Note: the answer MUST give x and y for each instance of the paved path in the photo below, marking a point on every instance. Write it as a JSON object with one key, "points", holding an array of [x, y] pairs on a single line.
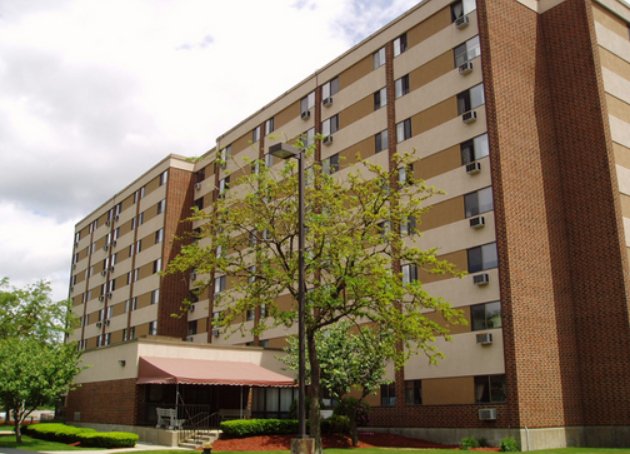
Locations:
{"points": [[14, 451], [139, 447]]}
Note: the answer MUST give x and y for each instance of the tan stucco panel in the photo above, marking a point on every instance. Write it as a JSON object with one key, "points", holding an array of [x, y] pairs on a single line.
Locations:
{"points": [[438, 163], [428, 27], [453, 329], [433, 116], [614, 63], [357, 152], [431, 70], [445, 391], [610, 21], [356, 111], [443, 213], [355, 72], [459, 259], [618, 108]]}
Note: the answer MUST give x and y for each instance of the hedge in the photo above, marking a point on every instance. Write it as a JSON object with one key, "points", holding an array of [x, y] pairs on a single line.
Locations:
{"points": [[239, 428], [84, 435]]}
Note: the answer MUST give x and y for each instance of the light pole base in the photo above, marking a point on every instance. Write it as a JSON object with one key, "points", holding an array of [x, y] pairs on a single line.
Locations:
{"points": [[302, 446]]}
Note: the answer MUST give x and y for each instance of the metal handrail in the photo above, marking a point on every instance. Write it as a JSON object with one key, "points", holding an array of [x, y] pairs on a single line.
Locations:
{"points": [[198, 423]]}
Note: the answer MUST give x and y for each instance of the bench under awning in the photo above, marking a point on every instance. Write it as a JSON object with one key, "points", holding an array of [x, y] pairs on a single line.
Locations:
{"points": [[166, 371]]}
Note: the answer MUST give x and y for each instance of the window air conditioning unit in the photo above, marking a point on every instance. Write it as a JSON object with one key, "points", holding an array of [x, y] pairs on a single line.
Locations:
{"points": [[101, 298], [306, 115], [108, 222], [216, 332], [469, 117], [328, 140], [99, 324], [117, 218], [487, 414], [197, 186], [477, 222], [193, 276], [462, 22], [481, 279], [104, 272], [466, 68], [106, 247], [328, 101], [189, 338], [484, 338], [114, 243], [473, 168], [111, 269], [109, 296], [191, 308], [107, 322]]}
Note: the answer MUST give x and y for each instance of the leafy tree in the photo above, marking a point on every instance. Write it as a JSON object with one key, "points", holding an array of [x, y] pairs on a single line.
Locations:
{"points": [[36, 366], [350, 358], [353, 263]]}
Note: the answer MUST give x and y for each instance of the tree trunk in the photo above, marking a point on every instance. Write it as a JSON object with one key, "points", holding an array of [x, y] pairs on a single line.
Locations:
{"points": [[354, 432], [313, 393], [16, 427]]}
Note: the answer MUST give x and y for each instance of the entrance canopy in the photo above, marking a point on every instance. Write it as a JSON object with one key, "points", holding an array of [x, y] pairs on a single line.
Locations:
{"points": [[167, 371]]}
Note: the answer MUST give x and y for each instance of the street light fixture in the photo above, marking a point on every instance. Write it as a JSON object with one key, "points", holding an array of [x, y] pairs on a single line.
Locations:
{"points": [[286, 151]]}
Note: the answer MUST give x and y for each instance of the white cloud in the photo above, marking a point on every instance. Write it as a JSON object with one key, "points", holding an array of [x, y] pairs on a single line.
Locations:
{"points": [[94, 93]]}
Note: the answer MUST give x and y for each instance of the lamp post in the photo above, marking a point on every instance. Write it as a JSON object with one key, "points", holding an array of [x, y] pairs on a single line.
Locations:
{"points": [[302, 444]]}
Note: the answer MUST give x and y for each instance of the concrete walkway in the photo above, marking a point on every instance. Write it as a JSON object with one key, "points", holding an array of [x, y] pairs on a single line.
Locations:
{"points": [[139, 447]]}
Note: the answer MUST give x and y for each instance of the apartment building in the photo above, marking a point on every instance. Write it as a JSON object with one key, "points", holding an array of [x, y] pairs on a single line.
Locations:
{"points": [[519, 111]]}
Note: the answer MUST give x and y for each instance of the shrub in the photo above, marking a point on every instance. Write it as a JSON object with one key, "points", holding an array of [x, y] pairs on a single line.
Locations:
{"points": [[107, 439], [85, 435], [468, 443], [349, 404], [248, 427], [509, 444], [336, 424]]}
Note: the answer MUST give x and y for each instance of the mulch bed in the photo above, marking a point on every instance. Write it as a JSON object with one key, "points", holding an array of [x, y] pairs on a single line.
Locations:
{"points": [[366, 440]]}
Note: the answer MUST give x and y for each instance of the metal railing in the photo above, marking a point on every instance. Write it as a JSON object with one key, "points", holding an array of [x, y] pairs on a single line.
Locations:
{"points": [[198, 423]]}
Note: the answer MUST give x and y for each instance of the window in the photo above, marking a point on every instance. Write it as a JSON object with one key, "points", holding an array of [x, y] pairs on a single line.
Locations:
{"points": [[308, 138], [224, 185], [155, 296], [413, 392], [461, 8], [153, 328], [474, 149], [198, 203], [256, 134], [269, 160], [380, 98], [307, 102], [330, 88], [131, 305], [381, 141], [263, 310], [192, 327], [112, 286], [251, 271], [409, 273], [485, 316], [330, 165], [269, 126], [159, 235], [470, 99], [133, 223], [405, 175], [250, 314], [138, 246], [403, 130], [116, 233], [157, 266], [482, 257], [200, 175], [160, 206], [141, 218], [129, 278], [132, 333], [388, 395], [490, 388], [141, 193], [163, 177], [478, 202], [402, 86], [467, 51], [408, 227], [219, 284], [77, 237], [378, 58], [400, 44], [225, 155], [330, 125]]}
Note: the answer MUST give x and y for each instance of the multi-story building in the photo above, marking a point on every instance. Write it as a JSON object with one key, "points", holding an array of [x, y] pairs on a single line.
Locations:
{"points": [[519, 111]]}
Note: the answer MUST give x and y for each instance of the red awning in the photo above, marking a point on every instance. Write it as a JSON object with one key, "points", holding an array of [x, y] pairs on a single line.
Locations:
{"points": [[207, 372]]}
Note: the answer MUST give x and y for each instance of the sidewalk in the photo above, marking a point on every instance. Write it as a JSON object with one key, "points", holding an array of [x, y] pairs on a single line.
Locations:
{"points": [[138, 447]]}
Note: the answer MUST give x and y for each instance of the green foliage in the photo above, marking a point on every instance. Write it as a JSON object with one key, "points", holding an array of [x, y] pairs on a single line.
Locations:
{"points": [[349, 405], [509, 444], [239, 428], [336, 424], [36, 367], [107, 439], [85, 436], [468, 443]]}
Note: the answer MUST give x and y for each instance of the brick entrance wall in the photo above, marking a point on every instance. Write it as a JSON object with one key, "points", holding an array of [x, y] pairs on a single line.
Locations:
{"points": [[106, 402]]}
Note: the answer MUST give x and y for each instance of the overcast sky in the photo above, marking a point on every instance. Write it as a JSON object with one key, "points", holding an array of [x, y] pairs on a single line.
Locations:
{"points": [[94, 92]]}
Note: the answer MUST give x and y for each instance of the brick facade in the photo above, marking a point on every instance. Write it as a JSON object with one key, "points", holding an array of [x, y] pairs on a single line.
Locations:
{"points": [[106, 402]]}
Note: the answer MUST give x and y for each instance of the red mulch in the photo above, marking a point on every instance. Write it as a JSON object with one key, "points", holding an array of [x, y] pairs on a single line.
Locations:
{"points": [[278, 442]]}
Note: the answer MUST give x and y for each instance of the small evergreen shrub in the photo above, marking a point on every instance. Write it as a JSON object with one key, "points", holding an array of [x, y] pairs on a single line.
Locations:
{"points": [[336, 424], [509, 444], [238, 428], [107, 439], [468, 443]]}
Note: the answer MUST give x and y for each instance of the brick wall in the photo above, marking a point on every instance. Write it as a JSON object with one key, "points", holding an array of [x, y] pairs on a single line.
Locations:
{"points": [[442, 416], [598, 261], [174, 287], [107, 402]]}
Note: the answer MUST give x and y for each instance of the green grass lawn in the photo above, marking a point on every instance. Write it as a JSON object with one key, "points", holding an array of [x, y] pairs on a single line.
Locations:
{"points": [[33, 444]]}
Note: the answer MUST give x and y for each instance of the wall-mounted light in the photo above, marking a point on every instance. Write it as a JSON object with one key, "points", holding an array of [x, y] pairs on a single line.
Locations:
{"points": [[122, 362]]}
